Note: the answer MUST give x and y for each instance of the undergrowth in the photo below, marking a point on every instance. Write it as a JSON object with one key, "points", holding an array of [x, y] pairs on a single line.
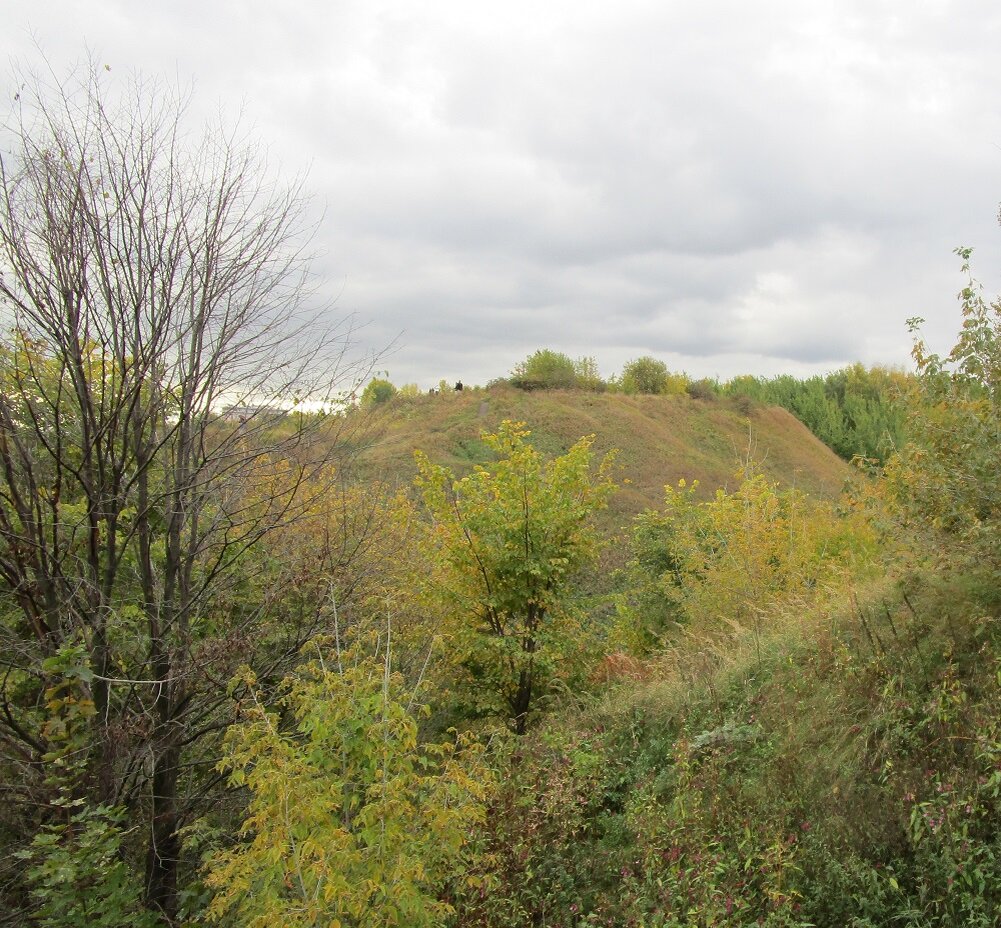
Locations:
{"points": [[845, 774]]}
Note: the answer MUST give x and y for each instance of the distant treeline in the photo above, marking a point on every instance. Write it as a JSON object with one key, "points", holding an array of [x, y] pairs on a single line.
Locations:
{"points": [[855, 410]]}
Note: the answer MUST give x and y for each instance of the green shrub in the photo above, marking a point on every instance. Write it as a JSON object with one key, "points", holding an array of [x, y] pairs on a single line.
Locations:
{"points": [[77, 874], [704, 389], [553, 370], [645, 375], [377, 392]]}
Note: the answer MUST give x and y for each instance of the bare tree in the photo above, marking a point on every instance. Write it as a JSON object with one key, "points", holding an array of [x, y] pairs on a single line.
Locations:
{"points": [[149, 279]]}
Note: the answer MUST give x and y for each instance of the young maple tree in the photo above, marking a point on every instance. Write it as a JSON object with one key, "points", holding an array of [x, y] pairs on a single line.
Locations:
{"points": [[507, 541]]}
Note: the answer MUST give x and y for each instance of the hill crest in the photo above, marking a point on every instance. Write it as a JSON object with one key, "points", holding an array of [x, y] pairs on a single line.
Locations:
{"points": [[660, 439]]}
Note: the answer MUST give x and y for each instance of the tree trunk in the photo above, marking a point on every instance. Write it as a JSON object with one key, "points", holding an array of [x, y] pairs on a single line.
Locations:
{"points": [[165, 842]]}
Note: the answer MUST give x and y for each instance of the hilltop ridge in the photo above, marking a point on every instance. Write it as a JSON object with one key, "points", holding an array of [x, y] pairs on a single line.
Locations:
{"points": [[660, 439]]}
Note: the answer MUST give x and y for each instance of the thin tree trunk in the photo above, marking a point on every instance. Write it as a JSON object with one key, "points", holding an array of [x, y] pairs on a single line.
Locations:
{"points": [[164, 851]]}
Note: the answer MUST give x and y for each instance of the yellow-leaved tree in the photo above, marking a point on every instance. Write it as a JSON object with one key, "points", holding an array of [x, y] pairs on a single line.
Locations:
{"points": [[716, 566], [351, 819]]}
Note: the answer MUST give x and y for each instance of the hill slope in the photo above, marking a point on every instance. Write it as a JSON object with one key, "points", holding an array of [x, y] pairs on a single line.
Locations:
{"points": [[660, 439]]}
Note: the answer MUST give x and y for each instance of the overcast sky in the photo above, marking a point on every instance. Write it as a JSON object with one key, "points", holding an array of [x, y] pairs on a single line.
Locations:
{"points": [[732, 187]]}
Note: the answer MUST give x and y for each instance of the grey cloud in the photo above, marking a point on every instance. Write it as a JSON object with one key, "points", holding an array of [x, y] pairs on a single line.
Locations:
{"points": [[774, 184]]}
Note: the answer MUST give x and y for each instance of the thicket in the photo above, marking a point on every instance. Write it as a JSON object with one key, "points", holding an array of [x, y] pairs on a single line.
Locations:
{"points": [[351, 818], [947, 477], [844, 771], [856, 411], [717, 568], [650, 375], [553, 370]]}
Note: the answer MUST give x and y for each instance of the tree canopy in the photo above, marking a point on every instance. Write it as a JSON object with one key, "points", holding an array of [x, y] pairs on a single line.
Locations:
{"points": [[507, 540], [150, 277]]}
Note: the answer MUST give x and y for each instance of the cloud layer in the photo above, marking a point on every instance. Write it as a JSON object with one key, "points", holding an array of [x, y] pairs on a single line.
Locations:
{"points": [[732, 187]]}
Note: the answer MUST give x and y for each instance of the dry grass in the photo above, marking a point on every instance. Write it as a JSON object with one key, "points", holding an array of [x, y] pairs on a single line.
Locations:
{"points": [[660, 439]]}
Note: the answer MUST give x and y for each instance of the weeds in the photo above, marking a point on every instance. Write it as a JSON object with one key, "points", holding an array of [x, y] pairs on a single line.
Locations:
{"points": [[845, 775]]}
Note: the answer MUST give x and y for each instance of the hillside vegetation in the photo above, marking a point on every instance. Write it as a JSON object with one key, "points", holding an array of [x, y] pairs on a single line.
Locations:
{"points": [[830, 759], [659, 439], [627, 654]]}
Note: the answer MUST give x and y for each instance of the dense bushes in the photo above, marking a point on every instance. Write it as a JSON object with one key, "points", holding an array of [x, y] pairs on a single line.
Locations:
{"points": [[722, 565], [855, 411], [351, 819], [648, 375], [845, 774], [553, 370]]}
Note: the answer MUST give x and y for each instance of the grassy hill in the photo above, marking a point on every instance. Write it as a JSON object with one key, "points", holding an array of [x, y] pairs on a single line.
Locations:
{"points": [[660, 439], [836, 764]]}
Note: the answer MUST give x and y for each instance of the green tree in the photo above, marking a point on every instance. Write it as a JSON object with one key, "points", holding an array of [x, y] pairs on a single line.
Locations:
{"points": [[705, 388], [946, 477], [748, 385], [377, 391], [587, 376], [508, 540], [409, 391], [645, 375]]}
